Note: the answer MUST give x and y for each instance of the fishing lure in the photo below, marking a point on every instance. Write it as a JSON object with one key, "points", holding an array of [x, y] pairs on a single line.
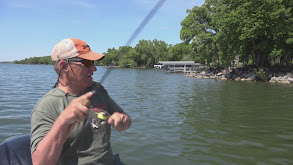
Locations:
{"points": [[102, 117]]}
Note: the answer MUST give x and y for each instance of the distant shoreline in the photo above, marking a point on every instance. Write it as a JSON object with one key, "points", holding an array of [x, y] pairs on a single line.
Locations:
{"points": [[6, 62]]}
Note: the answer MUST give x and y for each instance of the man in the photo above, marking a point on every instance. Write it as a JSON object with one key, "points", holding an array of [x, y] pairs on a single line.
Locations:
{"points": [[61, 131]]}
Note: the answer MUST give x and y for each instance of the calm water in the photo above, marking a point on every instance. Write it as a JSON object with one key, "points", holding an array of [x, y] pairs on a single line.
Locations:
{"points": [[176, 119]]}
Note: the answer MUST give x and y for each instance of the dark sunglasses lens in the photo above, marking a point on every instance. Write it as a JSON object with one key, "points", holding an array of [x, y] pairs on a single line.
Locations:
{"points": [[88, 63]]}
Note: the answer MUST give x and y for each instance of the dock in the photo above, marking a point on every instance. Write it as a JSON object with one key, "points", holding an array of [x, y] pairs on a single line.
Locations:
{"points": [[178, 66]]}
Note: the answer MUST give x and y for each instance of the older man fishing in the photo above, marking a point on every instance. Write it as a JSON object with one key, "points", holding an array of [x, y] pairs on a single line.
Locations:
{"points": [[71, 124]]}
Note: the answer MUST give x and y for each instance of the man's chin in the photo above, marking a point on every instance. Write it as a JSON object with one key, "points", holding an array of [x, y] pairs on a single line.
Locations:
{"points": [[89, 83]]}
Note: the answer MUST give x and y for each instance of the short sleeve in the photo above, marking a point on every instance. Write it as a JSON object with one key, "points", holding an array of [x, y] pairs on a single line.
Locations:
{"points": [[42, 119]]}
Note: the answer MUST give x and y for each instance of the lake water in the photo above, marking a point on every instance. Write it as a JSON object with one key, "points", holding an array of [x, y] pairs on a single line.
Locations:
{"points": [[175, 119]]}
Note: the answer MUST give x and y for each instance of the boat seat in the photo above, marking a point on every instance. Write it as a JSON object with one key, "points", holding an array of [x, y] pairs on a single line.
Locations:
{"points": [[16, 151]]}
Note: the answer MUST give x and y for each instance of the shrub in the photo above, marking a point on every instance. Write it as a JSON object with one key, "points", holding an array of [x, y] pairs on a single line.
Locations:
{"points": [[260, 75]]}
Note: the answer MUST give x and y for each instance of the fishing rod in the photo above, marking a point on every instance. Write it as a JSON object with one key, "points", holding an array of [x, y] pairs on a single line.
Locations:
{"points": [[136, 32]]}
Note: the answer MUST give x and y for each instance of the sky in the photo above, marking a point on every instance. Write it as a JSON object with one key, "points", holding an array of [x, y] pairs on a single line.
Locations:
{"points": [[31, 28]]}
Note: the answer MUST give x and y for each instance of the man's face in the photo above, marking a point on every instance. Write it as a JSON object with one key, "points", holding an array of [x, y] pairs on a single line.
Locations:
{"points": [[79, 75]]}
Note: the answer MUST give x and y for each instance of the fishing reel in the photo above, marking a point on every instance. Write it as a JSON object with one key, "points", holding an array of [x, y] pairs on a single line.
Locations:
{"points": [[101, 118]]}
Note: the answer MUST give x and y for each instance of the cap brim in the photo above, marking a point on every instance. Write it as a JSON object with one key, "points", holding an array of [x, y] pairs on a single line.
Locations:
{"points": [[91, 56]]}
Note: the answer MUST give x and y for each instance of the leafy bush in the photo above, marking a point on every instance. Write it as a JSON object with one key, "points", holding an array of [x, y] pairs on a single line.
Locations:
{"points": [[260, 75]]}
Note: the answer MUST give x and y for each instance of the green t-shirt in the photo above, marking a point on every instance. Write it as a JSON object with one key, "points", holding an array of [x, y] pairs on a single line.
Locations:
{"points": [[83, 146]]}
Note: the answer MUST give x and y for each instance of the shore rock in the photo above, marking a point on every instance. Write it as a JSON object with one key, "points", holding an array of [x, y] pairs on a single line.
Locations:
{"points": [[276, 74]]}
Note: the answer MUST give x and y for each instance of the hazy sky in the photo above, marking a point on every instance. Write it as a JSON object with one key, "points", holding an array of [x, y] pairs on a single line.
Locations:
{"points": [[31, 28]]}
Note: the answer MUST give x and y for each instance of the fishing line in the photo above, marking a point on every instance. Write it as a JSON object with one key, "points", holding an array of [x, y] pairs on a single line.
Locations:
{"points": [[136, 32]]}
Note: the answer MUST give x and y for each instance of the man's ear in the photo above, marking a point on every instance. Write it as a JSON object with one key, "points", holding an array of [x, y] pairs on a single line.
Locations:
{"points": [[62, 65]]}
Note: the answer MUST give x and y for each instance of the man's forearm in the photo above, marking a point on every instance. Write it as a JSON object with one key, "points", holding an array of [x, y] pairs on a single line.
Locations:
{"points": [[49, 148]]}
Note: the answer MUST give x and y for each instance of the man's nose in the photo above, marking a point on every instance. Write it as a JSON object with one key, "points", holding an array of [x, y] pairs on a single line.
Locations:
{"points": [[93, 68]]}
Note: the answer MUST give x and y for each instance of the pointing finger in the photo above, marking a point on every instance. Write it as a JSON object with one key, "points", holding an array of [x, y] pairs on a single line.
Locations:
{"points": [[87, 95]]}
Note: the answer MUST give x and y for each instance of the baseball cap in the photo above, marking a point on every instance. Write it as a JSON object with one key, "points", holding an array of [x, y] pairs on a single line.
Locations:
{"points": [[73, 47]]}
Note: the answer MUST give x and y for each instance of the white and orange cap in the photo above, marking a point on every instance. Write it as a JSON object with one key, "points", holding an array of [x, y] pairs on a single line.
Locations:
{"points": [[73, 47]]}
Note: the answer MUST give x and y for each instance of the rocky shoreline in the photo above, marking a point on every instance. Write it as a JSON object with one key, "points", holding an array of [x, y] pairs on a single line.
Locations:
{"points": [[276, 74]]}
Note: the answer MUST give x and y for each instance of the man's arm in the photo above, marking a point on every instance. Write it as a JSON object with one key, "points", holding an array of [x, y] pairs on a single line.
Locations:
{"points": [[50, 147]]}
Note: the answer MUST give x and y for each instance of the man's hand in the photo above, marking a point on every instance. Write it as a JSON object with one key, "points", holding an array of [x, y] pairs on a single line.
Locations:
{"points": [[77, 110], [119, 121]]}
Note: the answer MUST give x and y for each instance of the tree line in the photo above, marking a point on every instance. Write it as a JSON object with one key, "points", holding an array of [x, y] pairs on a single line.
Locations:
{"points": [[218, 33], [258, 32], [145, 54], [35, 60]]}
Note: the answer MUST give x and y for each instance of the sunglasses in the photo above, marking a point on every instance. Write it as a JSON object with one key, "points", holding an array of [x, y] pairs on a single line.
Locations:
{"points": [[86, 63]]}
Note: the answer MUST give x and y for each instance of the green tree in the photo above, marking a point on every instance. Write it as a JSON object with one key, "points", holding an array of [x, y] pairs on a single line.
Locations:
{"points": [[259, 31], [199, 29], [111, 57], [159, 50], [127, 57], [143, 48], [151, 52], [182, 51]]}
